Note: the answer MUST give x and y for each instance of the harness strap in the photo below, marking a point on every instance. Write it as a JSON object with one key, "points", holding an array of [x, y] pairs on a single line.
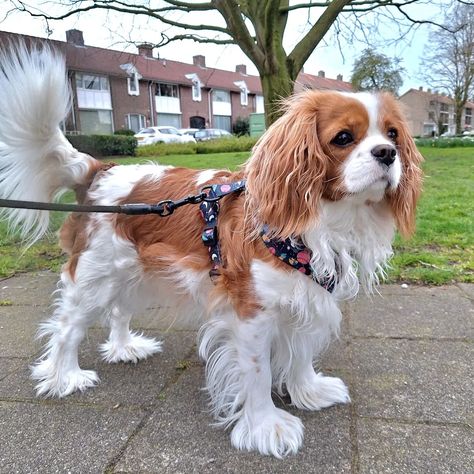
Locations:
{"points": [[210, 210]]}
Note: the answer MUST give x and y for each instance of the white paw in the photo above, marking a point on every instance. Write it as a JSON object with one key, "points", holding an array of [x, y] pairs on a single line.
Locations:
{"points": [[319, 392], [54, 383], [276, 433], [136, 348]]}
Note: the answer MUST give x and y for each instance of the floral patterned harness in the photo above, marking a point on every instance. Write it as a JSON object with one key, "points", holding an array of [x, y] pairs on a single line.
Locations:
{"points": [[291, 251]]}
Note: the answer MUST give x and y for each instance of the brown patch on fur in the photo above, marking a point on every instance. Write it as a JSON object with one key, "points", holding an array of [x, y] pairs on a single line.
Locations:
{"points": [[294, 164], [73, 235], [403, 201], [164, 243]]}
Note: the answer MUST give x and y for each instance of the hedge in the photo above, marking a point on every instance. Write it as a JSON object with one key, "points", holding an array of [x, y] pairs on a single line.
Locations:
{"points": [[445, 142], [104, 145], [223, 145]]}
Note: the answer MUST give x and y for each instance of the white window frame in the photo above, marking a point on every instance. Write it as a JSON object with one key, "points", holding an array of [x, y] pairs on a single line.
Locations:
{"points": [[196, 87], [133, 78], [133, 85], [244, 92], [142, 120]]}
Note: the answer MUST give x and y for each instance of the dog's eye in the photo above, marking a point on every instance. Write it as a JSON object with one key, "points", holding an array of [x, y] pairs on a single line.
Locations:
{"points": [[343, 139], [392, 134]]}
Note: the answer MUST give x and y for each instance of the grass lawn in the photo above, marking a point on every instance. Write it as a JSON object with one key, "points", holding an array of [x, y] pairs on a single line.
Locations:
{"points": [[441, 251]]}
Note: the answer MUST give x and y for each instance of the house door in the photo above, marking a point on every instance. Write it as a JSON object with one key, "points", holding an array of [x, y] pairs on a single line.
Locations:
{"points": [[197, 122]]}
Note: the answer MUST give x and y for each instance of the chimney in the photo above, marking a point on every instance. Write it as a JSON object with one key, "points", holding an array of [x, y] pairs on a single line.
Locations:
{"points": [[75, 37], [339, 77], [429, 90], [321, 74], [199, 60], [242, 68], [420, 88], [145, 49]]}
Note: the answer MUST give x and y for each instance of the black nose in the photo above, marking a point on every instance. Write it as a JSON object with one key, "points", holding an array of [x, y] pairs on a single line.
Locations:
{"points": [[384, 154]]}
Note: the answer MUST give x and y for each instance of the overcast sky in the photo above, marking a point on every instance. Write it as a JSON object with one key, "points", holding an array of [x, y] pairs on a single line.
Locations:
{"points": [[113, 30]]}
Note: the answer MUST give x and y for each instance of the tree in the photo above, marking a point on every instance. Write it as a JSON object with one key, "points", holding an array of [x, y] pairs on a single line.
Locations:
{"points": [[257, 27], [449, 62], [375, 71]]}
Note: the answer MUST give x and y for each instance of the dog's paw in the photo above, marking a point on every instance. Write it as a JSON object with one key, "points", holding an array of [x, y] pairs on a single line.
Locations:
{"points": [[275, 433], [54, 384], [319, 392], [136, 348]]}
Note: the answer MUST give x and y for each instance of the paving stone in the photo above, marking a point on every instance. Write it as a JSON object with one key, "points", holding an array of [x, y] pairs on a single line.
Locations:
{"points": [[18, 327], [414, 449], [433, 314], [417, 380], [9, 366], [29, 289], [178, 438], [56, 437], [468, 289], [397, 289], [120, 384]]}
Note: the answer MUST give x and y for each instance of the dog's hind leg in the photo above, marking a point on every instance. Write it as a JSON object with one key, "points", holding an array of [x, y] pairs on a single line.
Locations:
{"points": [[124, 345], [57, 370]]}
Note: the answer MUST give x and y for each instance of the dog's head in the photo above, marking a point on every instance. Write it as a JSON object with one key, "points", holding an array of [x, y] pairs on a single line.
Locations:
{"points": [[334, 146]]}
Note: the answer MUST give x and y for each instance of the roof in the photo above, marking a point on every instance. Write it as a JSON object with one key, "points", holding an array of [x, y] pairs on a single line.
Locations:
{"points": [[108, 61], [428, 95]]}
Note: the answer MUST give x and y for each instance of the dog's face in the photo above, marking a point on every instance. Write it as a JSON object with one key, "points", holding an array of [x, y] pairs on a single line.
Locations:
{"points": [[334, 146]]}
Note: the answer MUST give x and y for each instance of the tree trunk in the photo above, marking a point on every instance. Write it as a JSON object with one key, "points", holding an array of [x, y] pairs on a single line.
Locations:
{"points": [[275, 87]]}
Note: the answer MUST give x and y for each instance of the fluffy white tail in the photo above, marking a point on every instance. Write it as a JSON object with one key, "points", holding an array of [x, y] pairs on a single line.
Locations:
{"points": [[36, 160]]}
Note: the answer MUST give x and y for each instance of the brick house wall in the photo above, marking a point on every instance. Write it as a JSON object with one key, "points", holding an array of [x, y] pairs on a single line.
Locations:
{"points": [[123, 103], [191, 108]]}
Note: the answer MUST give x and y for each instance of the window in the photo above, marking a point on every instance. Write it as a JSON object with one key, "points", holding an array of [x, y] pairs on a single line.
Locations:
{"points": [[221, 96], [167, 90], [444, 118], [96, 121], [133, 85], [468, 116], [196, 87], [431, 116], [172, 120], [135, 122], [91, 82], [444, 107], [244, 92], [222, 122]]}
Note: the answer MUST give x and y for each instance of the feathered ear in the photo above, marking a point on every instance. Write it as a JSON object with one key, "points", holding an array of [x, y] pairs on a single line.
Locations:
{"points": [[286, 170], [403, 200]]}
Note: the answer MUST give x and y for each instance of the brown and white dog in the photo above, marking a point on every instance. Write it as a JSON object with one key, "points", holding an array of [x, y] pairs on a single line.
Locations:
{"points": [[337, 171]]}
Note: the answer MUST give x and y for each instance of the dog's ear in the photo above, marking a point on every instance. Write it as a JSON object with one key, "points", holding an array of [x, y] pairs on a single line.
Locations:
{"points": [[286, 171], [404, 199]]}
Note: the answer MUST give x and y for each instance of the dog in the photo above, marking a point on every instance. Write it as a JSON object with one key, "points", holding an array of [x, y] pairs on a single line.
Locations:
{"points": [[326, 187]]}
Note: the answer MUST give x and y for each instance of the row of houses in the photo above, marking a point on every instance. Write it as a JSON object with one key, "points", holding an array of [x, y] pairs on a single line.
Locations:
{"points": [[115, 90]]}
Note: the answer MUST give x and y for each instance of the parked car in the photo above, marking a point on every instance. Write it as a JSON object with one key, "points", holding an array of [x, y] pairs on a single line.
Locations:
{"points": [[188, 131], [211, 134], [150, 135]]}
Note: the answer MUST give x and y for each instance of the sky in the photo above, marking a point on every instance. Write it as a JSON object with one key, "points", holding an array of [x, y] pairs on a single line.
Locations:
{"points": [[334, 55]]}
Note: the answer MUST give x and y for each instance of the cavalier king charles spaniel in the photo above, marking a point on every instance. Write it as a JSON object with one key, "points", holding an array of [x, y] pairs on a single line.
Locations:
{"points": [[329, 182]]}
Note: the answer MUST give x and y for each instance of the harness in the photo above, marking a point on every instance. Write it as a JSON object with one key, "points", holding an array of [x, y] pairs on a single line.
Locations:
{"points": [[290, 251]]}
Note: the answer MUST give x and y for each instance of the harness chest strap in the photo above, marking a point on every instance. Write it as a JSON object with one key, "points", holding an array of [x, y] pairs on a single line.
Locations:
{"points": [[292, 252]]}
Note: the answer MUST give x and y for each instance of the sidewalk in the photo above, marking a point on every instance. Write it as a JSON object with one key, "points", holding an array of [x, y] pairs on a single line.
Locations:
{"points": [[407, 358]]}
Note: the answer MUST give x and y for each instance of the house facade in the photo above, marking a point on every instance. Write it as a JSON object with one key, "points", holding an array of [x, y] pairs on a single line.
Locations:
{"points": [[114, 90], [429, 113]]}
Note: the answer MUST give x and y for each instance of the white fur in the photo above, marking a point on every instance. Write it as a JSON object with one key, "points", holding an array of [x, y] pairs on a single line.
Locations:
{"points": [[361, 171], [244, 358], [36, 161]]}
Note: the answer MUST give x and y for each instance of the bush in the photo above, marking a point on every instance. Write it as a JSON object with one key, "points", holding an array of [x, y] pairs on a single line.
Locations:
{"points": [[104, 145], [223, 145], [125, 131], [445, 142], [241, 126]]}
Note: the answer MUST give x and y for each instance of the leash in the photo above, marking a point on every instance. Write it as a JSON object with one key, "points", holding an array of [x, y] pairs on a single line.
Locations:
{"points": [[163, 208]]}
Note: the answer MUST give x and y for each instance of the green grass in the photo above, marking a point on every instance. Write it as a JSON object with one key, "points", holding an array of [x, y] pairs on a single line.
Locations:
{"points": [[441, 251]]}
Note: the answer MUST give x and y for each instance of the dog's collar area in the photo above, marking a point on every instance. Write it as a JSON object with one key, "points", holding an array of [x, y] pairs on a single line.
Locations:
{"points": [[294, 253], [291, 251]]}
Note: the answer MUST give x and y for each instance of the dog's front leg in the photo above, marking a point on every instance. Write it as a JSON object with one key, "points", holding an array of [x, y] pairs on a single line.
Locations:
{"points": [[239, 381]]}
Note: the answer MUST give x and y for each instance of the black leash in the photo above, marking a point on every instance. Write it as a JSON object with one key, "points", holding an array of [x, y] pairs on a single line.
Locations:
{"points": [[163, 208]]}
